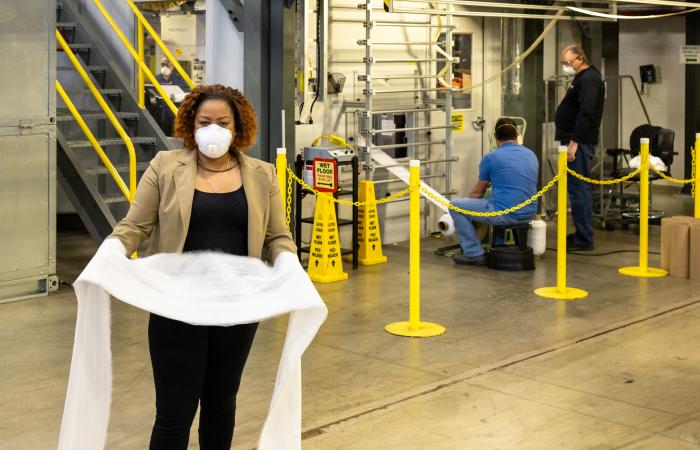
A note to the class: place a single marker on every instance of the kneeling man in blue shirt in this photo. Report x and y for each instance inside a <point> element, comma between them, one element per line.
<point>511,170</point>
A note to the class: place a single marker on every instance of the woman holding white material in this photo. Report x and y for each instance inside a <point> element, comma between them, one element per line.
<point>207,196</point>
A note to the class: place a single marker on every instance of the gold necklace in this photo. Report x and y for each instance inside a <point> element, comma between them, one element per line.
<point>218,187</point>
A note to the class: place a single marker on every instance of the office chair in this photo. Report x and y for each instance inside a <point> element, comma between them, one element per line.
<point>661,141</point>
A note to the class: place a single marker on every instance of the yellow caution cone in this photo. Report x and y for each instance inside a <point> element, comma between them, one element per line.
<point>370,251</point>
<point>325,262</point>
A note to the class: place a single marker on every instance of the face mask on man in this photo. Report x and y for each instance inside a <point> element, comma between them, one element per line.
<point>213,140</point>
<point>568,70</point>
<point>166,71</point>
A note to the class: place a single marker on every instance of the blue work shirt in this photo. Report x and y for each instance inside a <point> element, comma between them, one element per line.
<point>512,171</point>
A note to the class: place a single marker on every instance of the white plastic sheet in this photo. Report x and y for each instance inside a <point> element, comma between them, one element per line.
<point>200,289</point>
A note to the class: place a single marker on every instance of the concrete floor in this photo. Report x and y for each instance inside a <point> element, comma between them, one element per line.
<point>620,369</point>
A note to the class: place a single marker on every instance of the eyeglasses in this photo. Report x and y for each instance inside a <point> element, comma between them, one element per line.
<point>568,63</point>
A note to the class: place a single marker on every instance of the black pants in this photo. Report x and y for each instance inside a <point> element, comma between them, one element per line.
<point>191,365</point>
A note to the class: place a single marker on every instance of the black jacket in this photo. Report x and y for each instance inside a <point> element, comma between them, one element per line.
<point>579,114</point>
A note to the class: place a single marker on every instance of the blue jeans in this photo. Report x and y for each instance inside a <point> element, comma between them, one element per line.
<point>581,195</point>
<point>468,240</point>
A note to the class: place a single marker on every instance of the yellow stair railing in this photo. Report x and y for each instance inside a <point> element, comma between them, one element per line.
<point>143,68</point>
<point>142,23</point>
<point>131,190</point>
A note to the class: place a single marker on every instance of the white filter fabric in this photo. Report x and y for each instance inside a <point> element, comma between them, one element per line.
<point>654,161</point>
<point>201,289</point>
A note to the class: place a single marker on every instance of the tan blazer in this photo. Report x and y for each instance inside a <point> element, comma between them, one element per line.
<point>163,203</point>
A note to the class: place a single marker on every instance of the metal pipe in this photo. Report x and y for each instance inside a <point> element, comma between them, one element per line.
<point>449,47</point>
<point>495,5</point>
<point>404,77</point>
<point>401,130</point>
<point>437,12</point>
<point>397,111</point>
<point>402,43</point>
<point>368,88</point>
<point>406,60</point>
<point>407,144</point>
<point>433,161</point>
<point>385,23</point>
<point>407,91</point>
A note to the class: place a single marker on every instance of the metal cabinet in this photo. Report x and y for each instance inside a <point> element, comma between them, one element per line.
<point>27,149</point>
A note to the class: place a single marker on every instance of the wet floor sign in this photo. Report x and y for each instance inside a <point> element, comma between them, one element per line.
<point>370,251</point>
<point>325,262</point>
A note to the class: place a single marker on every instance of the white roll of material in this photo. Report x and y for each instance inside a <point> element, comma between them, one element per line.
<point>446,225</point>
<point>537,236</point>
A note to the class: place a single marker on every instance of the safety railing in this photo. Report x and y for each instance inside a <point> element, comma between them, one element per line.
<point>131,190</point>
<point>142,23</point>
<point>138,57</point>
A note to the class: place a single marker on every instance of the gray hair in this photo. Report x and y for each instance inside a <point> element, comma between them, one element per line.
<point>577,51</point>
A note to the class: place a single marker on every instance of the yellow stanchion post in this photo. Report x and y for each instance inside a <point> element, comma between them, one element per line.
<point>697,176</point>
<point>414,327</point>
<point>643,270</point>
<point>561,291</point>
<point>281,165</point>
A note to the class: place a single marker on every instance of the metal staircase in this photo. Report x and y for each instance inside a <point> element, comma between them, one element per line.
<point>82,174</point>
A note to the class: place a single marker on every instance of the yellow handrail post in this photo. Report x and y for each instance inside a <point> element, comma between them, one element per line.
<point>643,270</point>
<point>108,112</point>
<point>697,176</point>
<point>281,165</point>
<point>140,43</point>
<point>561,291</point>
<point>160,43</point>
<point>414,327</point>
<point>135,56</point>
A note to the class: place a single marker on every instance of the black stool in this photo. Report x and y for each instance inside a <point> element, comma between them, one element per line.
<point>516,257</point>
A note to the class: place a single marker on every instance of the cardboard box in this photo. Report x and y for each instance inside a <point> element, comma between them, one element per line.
<point>666,242</point>
<point>694,266</point>
<point>680,249</point>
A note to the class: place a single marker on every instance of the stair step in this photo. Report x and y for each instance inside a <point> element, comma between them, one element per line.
<point>111,142</point>
<point>66,25</point>
<point>65,116</point>
<point>117,198</point>
<point>102,91</point>
<point>89,68</point>
<point>80,46</point>
<point>121,168</point>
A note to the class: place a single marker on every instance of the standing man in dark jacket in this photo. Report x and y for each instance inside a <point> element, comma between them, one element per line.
<point>577,123</point>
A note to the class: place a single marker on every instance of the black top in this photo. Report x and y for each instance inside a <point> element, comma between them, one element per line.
<point>579,114</point>
<point>219,222</point>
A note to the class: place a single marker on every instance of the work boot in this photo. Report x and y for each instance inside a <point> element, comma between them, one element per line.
<point>470,260</point>
<point>576,247</point>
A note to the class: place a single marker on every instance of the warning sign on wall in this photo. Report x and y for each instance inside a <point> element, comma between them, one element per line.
<point>458,122</point>
<point>325,174</point>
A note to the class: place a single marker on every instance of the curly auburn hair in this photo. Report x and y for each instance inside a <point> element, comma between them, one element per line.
<point>244,118</point>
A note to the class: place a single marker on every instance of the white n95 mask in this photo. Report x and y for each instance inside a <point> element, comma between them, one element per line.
<point>568,70</point>
<point>213,140</point>
<point>166,71</point>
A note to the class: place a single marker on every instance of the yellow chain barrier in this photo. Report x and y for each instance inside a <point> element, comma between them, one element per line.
<point>427,193</point>
<point>671,179</point>
<point>604,182</point>
<point>527,202</point>
<point>680,180</point>
<point>302,183</point>
<point>289,202</point>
